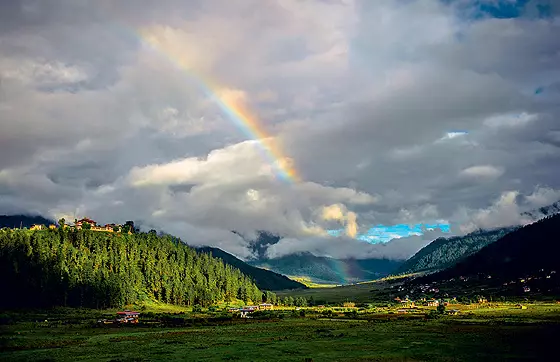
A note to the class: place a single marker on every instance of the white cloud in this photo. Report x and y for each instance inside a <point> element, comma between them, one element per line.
<point>482,171</point>
<point>361,102</point>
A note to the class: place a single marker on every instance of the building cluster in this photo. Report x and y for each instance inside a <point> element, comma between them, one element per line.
<point>84,223</point>
<point>245,311</point>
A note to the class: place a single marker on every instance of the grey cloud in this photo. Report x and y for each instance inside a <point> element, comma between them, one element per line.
<point>361,97</point>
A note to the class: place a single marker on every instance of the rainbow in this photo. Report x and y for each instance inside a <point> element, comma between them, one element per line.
<point>236,111</point>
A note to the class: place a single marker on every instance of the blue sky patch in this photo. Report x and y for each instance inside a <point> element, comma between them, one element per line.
<point>385,233</point>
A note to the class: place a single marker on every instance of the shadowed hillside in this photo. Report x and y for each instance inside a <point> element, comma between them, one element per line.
<point>526,251</point>
<point>265,279</point>
<point>445,252</point>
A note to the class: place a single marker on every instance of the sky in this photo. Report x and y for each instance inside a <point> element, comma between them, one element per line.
<point>351,128</point>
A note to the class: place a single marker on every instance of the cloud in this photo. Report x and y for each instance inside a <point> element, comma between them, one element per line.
<point>482,171</point>
<point>507,210</point>
<point>409,112</point>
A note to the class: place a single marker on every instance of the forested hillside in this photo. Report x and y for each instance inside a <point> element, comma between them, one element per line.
<point>97,269</point>
<point>265,279</point>
<point>445,252</point>
<point>528,250</point>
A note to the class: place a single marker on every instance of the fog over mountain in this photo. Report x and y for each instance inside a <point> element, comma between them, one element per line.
<point>328,123</point>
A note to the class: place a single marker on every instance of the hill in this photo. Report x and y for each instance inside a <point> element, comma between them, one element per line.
<point>527,251</point>
<point>264,279</point>
<point>83,268</point>
<point>26,221</point>
<point>445,252</point>
<point>329,270</point>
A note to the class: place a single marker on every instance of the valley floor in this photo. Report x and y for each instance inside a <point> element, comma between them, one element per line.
<point>494,333</point>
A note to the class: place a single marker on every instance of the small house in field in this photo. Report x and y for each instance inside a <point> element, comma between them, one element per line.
<point>245,312</point>
<point>432,303</point>
<point>37,227</point>
<point>266,306</point>
<point>520,306</point>
<point>407,304</point>
<point>127,316</point>
<point>453,312</point>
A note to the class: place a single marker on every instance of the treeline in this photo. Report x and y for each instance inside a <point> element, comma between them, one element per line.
<point>82,268</point>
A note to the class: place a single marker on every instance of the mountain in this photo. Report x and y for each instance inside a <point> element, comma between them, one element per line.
<point>264,279</point>
<point>26,221</point>
<point>526,251</point>
<point>543,211</point>
<point>329,270</point>
<point>445,252</point>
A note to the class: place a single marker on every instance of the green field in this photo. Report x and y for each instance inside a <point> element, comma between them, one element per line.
<point>492,332</point>
<point>360,293</point>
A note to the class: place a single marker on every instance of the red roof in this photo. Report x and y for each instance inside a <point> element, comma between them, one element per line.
<point>128,313</point>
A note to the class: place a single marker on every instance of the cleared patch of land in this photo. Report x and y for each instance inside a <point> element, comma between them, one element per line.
<point>482,333</point>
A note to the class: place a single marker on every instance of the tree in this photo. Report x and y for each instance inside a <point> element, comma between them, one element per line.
<point>62,222</point>
<point>441,308</point>
<point>86,226</point>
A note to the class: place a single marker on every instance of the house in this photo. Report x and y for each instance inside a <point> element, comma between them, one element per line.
<point>127,316</point>
<point>453,312</point>
<point>53,226</point>
<point>245,312</point>
<point>232,310</point>
<point>266,306</point>
<point>79,223</point>
<point>407,303</point>
<point>251,307</point>
<point>37,227</point>
<point>432,303</point>
<point>520,306</point>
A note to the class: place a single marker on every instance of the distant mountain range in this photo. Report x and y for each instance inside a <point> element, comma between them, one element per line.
<point>319,269</point>
<point>264,279</point>
<point>445,252</point>
<point>327,270</point>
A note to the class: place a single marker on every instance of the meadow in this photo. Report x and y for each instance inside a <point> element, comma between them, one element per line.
<point>495,331</point>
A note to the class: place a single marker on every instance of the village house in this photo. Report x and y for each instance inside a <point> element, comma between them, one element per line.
<point>79,223</point>
<point>407,303</point>
<point>432,303</point>
<point>127,316</point>
<point>37,227</point>
<point>246,311</point>
<point>266,306</point>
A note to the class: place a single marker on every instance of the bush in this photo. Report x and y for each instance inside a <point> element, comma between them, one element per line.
<point>441,309</point>
<point>197,309</point>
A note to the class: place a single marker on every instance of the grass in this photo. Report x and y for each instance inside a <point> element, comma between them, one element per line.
<point>491,333</point>
<point>360,293</point>
<point>311,284</point>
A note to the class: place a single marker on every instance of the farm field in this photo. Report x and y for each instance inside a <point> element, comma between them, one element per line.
<point>479,333</point>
